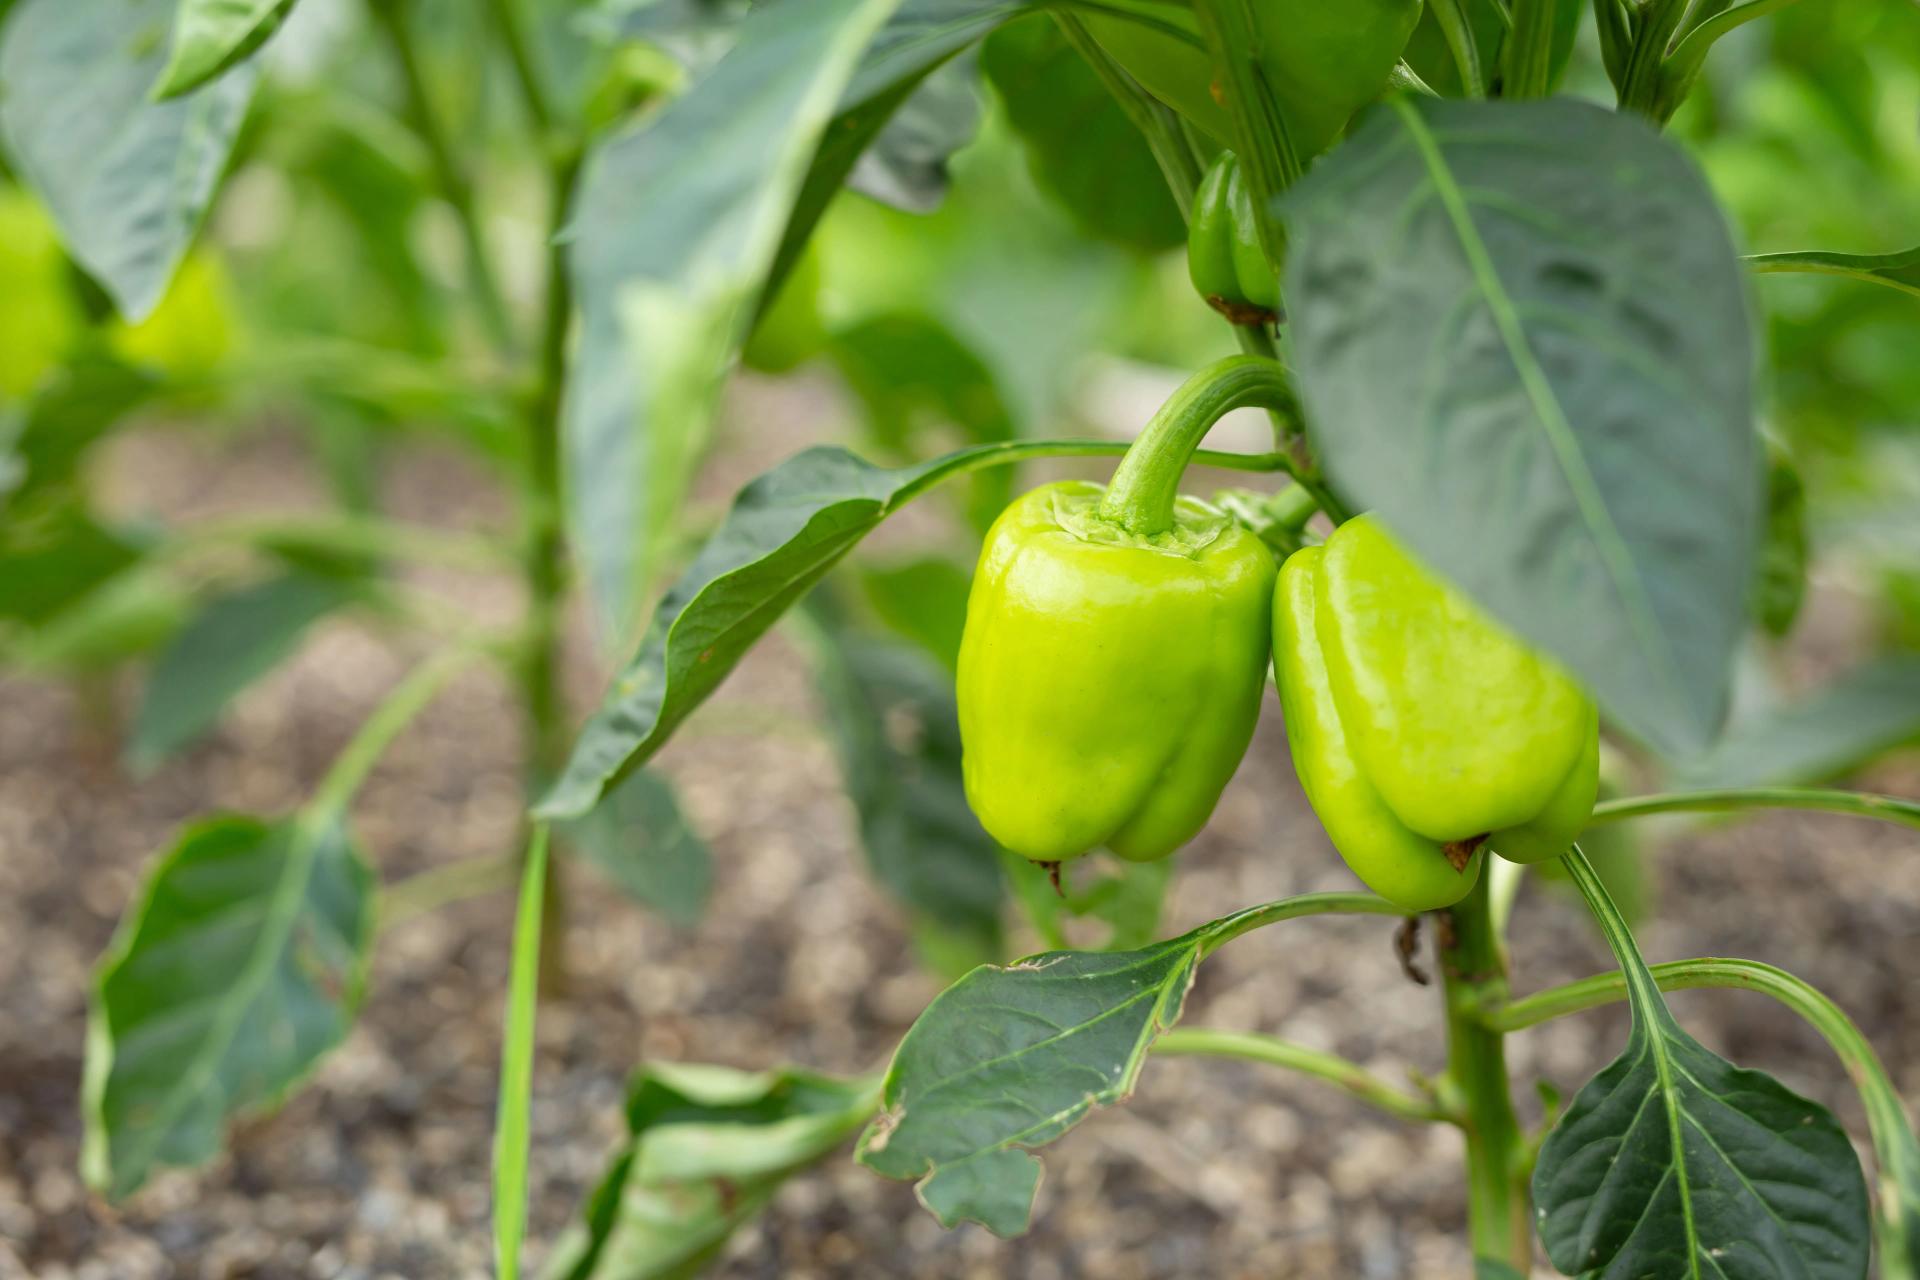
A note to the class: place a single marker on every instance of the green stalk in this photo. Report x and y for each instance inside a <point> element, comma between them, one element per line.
<point>1140,499</point>
<point>1529,50</point>
<point>1474,975</point>
<point>448,174</point>
<point>1857,804</point>
<point>1350,1077</point>
<point>1643,84</point>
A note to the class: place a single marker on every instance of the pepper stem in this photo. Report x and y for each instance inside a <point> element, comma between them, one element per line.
<point>1140,499</point>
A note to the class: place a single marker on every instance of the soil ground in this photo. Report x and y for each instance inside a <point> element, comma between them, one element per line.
<point>1214,1169</point>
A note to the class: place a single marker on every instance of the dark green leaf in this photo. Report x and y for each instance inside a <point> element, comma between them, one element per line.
<point>128,615</point>
<point>1008,1059</point>
<point>924,600</point>
<point>906,163</point>
<point>917,38</point>
<point>233,641</point>
<point>914,376</point>
<point>127,179</point>
<point>706,1149</point>
<point>786,529</point>
<point>1674,1162</point>
<point>89,399</point>
<point>897,731</point>
<point>639,837</point>
<point>678,224</point>
<point>52,554</point>
<point>1895,270</point>
<point>1081,148</point>
<point>1781,582</point>
<point>239,967</point>
<point>1522,335</point>
<point>210,36</point>
<point>1869,710</point>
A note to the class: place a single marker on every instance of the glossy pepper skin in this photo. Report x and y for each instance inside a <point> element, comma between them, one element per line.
<point>1421,729</point>
<point>1224,258</point>
<point>1324,61</point>
<point>1109,683</point>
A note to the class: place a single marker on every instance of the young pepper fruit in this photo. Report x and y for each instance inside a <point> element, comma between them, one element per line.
<point>1422,731</point>
<point>1116,648</point>
<point>1225,260</point>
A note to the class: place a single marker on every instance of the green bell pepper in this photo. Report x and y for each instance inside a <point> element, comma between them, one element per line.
<point>1108,683</point>
<point>1422,731</point>
<point>1225,259</point>
<point>1116,646</point>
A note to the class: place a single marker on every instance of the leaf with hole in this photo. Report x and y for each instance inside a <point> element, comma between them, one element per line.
<point>1523,337</point>
<point>1008,1059</point>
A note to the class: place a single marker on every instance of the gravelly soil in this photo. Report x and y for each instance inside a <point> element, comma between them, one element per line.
<point>1214,1169</point>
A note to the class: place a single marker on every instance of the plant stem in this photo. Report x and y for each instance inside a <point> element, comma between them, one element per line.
<point>1458,33</point>
<point>1858,804</point>
<point>451,178</point>
<point>545,565</point>
<point>1350,1077</point>
<point>435,887</point>
<point>1474,974</point>
<point>533,90</point>
<point>1643,83</point>
<point>1528,54</point>
<point>1145,484</point>
<point>377,732</point>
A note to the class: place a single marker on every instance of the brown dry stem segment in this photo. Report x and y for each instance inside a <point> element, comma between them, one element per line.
<point>1053,874</point>
<point>1406,945</point>
<point>1460,852</point>
<point>1247,313</point>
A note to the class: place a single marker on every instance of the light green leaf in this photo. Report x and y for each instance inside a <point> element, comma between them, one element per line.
<point>210,36</point>
<point>1523,336</point>
<point>126,179</point>
<point>1895,270</point>
<point>640,839</point>
<point>677,227</point>
<point>706,1149</point>
<point>233,641</point>
<point>239,968</point>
